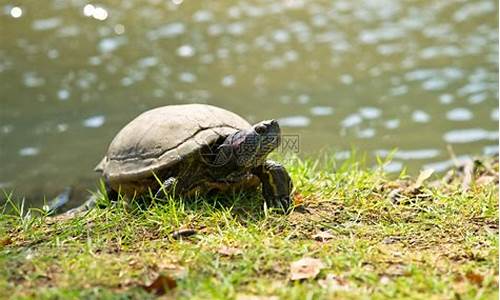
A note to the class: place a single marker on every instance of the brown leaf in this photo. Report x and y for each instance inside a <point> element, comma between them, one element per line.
<point>460,285</point>
<point>475,278</point>
<point>391,185</point>
<point>298,199</point>
<point>323,236</point>
<point>229,251</point>
<point>161,285</point>
<point>334,283</point>
<point>305,268</point>
<point>6,241</point>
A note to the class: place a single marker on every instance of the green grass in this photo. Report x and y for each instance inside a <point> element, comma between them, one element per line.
<point>435,243</point>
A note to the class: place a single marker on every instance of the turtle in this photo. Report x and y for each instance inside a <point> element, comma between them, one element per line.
<point>190,149</point>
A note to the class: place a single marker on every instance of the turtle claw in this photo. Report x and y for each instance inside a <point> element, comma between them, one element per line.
<point>277,185</point>
<point>166,188</point>
<point>52,206</point>
<point>281,204</point>
<point>86,206</point>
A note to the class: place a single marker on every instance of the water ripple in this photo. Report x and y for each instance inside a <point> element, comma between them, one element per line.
<point>186,51</point>
<point>46,24</point>
<point>94,121</point>
<point>321,110</point>
<point>294,121</point>
<point>459,114</point>
<point>409,154</point>
<point>170,30</point>
<point>108,45</point>
<point>29,151</point>
<point>469,135</point>
<point>420,116</point>
<point>351,120</point>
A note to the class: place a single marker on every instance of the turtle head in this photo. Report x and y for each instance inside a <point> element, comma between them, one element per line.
<point>250,147</point>
<point>268,136</point>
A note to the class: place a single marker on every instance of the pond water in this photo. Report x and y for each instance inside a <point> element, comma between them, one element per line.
<point>370,75</point>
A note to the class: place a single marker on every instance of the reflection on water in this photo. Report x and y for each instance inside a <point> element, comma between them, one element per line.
<point>373,75</point>
<point>469,135</point>
<point>321,110</point>
<point>459,114</point>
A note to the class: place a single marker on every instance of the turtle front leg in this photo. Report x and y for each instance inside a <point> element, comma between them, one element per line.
<point>169,186</point>
<point>276,184</point>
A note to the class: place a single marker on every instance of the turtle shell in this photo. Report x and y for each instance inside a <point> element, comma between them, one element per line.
<point>162,137</point>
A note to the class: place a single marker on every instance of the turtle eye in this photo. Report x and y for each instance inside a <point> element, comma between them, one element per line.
<point>260,129</point>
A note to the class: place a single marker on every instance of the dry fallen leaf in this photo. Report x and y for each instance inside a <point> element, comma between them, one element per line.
<point>323,236</point>
<point>6,241</point>
<point>334,283</point>
<point>229,251</point>
<point>391,185</point>
<point>368,267</point>
<point>132,262</point>
<point>305,268</point>
<point>161,285</point>
<point>485,180</point>
<point>423,176</point>
<point>298,199</point>
<point>468,171</point>
<point>475,278</point>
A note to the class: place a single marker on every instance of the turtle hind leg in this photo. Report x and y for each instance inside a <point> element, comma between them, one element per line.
<point>53,205</point>
<point>110,193</point>
<point>276,184</point>
<point>86,206</point>
<point>93,200</point>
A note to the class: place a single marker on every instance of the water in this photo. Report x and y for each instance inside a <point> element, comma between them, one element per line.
<point>370,75</point>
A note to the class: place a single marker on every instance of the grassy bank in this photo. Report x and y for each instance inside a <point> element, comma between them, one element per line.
<point>368,236</point>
